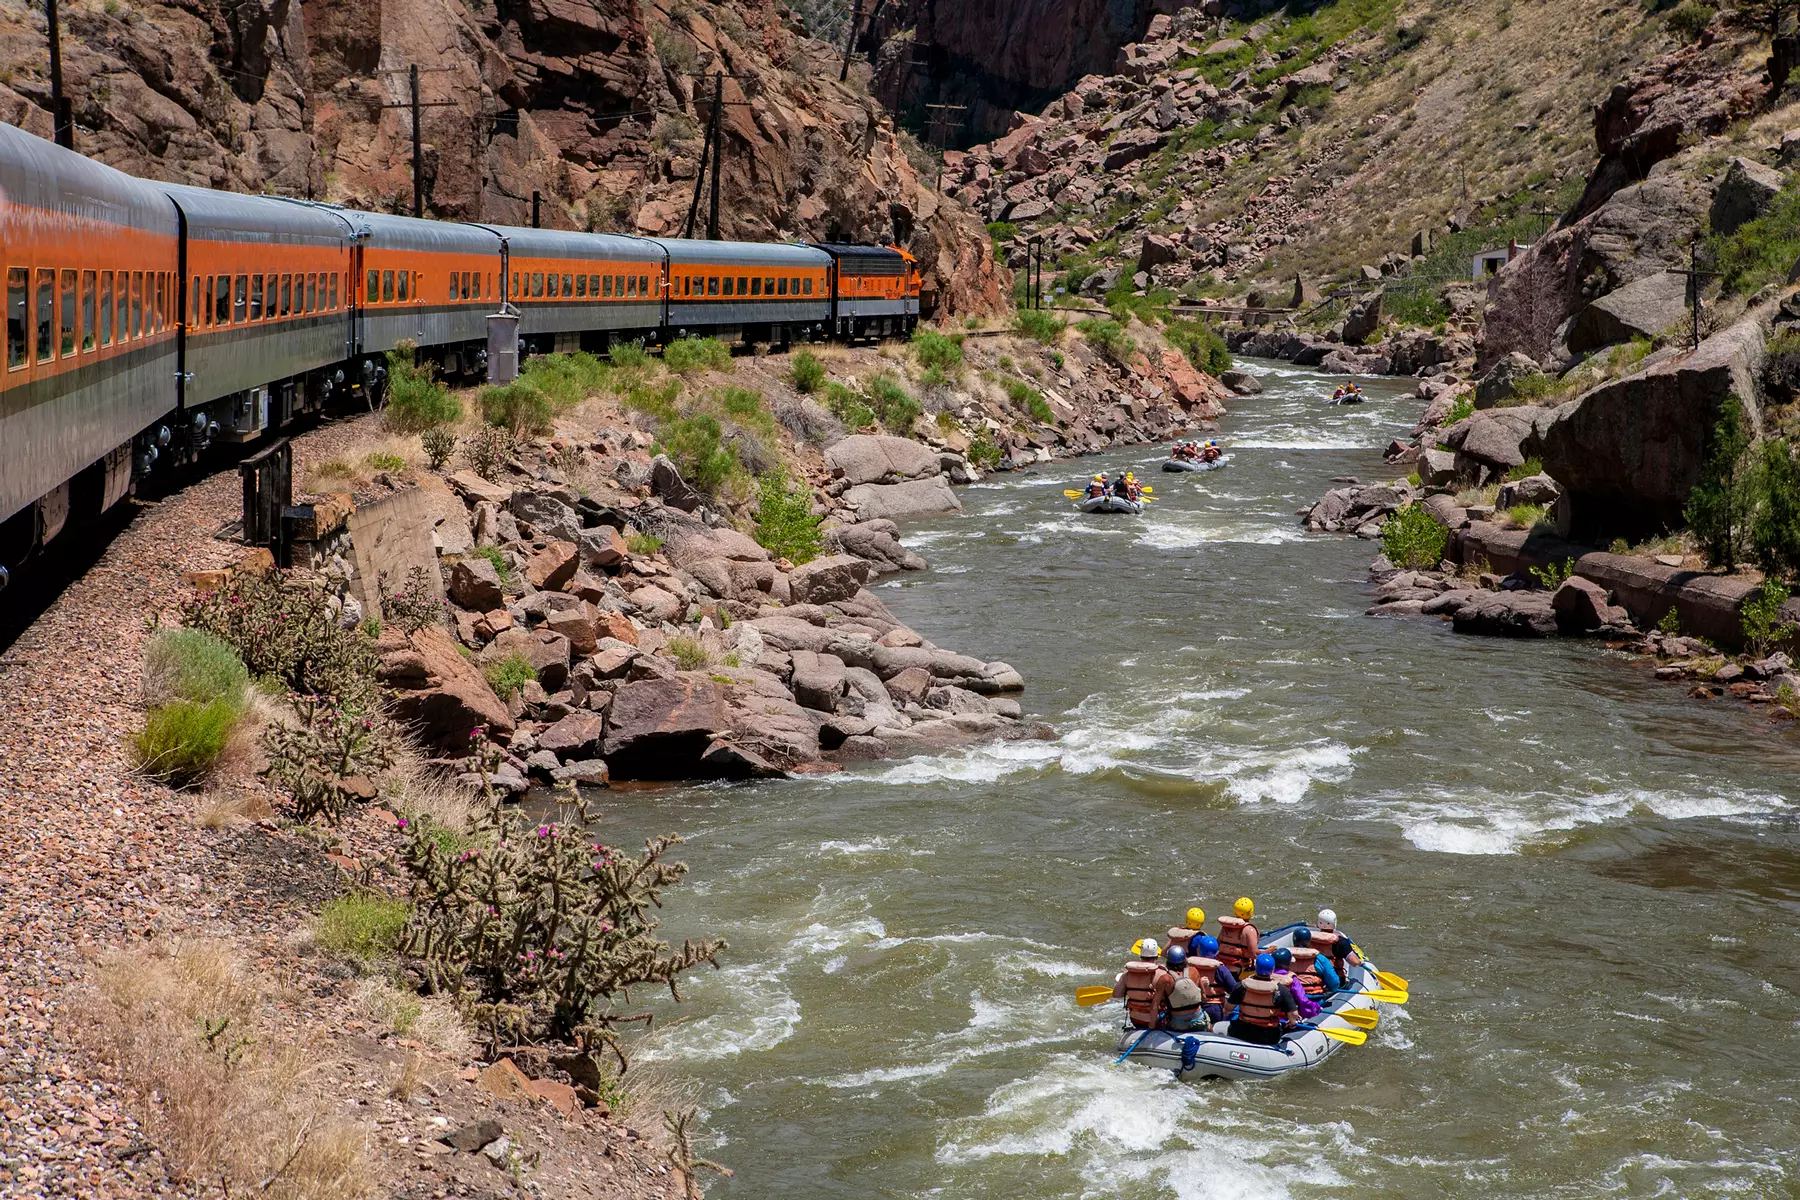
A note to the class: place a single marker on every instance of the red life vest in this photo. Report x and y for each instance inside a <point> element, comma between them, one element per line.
<point>1204,971</point>
<point>1306,972</point>
<point>1258,1005</point>
<point>1143,995</point>
<point>1238,943</point>
<point>1323,940</point>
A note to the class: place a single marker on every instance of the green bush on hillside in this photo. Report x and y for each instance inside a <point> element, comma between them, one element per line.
<point>936,352</point>
<point>566,379</point>
<point>891,403</point>
<point>192,664</point>
<point>361,925</point>
<point>518,407</point>
<point>1202,345</point>
<point>848,407</point>
<point>1031,400</point>
<point>1763,250</point>
<point>1413,539</point>
<point>785,524</point>
<point>1689,20</point>
<point>1718,507</point>
<point>1110,337</point>
<point>1040,324</point>
<point>629,356</point>
<point>1775,519</point>
<point>807,373</point>
<point>181,741</point>
<point>696,446</point>
<point>690,354</point>
<point>416,401</point>
<point>510,674</point>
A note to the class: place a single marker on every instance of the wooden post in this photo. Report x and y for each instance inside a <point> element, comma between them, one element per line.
<point>62,111</point>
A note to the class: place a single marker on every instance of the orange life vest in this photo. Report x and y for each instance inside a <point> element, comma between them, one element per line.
<point>1204,971</point>
<point>1238,943</point>
<point>1306,972</point>
<point>1143,998</point>
<point>1181,935</point>
<point>1323,940</point>
<point>1258,1005</point>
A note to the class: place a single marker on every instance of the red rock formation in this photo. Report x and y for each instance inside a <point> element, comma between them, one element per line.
<point>598,105</point>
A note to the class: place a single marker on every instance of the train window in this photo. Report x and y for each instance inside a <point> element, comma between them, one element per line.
<point>18,282</point>
<point>581,285</point>
<point>728,284</point>
<point>609,286</point>
<point>195,305</point>
<point>783,285</point>
<point>46,314</point>
<point>537,284</point>
<point>756,287</point>
<point>256,297</point>
<point>630,286</point>
<point>568,285</point>
<point>402,289</point>
<point>334,292</point>
<point>206,304</point>
<point>239,299</point>
<point>137,304</point>
<point>221,298</point>
<point>551,289</point>
<point>106,307</point>
<point>287,296</point>
<point>712,285</point>
<point>593,285</point>
<point>374,287</point>
<point>312,293</point>
<point>387,286</point>
<point>87,310</point>
<point>454,293</point>
<point>809,284</point>
<point>69,309</point>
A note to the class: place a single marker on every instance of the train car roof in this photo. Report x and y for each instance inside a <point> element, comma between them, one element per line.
<point>390,230</point>
<point>846,250</point>
<point>742,254</point>
<point>38,174</point>
<point>568,243</point>
<point>232,216</point>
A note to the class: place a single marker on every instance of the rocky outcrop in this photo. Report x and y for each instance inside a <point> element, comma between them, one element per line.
<point>1629,451</point>
<point>1743,195</point>
<point>1492,442</point>
<point>902,501</point>
<point>1706,605</point>
<point>1502,379</point>
<point>880,458</point>
<point>437,692</point>
<point>1357,508</point>
<point>1643,308</point>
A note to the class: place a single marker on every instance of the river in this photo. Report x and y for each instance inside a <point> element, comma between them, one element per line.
<point>1591,882</point>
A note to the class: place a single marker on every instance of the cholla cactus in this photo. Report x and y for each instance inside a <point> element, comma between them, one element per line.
<point>314,760</point>
<point>538,927</point>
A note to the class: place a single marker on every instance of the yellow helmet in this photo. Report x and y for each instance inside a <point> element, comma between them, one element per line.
<point>1196,917</point>
<point>1244,908</point>
<point>1129,475</point>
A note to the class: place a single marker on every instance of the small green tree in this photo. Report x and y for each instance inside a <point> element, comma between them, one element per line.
<point>1716,506</point>
<point>1775,525</point>
<point>1413,538</point>
<point>1760,617</point>
<point>785,523</point>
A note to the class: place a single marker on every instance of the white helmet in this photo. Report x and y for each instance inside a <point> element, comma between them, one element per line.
<point>1327,919</point>
<point>1148,948</point>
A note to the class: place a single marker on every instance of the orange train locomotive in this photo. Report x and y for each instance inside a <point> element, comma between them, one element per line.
<point>144,321</point>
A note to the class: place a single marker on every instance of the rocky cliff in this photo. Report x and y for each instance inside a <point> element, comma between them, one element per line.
<point>599,107</point>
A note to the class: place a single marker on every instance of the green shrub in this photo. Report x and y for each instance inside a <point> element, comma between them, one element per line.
<point>688,653</point>
<point>1525,470</point>
<point>361,925</point>
<point>984,452</point>
<point>284,627</point>
<point>566,379</point>
<point>1553,575</point>
<point>416,401</point>
<point>496,558</point>
<point>746,407</point>
<point>891,403</point>
<point>1413,539</point>
<point>192,664</point>
<point>383,460</point>
<point>518,407</point>
<point>313,760</point>
<point>181,741</point>
<point>1760,615</point>
<point>848,407</point>
<point>1110,337</point>
<point>938,352</point>
<point>697,448</point>
<point>1202,345</point>
<point>1688,20</point>
<point>439,444</point>
<point>807,372</point>
<point>1716,508</point>
<point>689,354</point>
<point>785,524</point>
<point>1534,388</point>
<point>510,674</point>
<point>1002,231</point>
<point>656,403</point>
<point>1775,522</point>
<point>1031,400</point>
<point>1670,623</point>
<point>1041,325</point>
<point>645,544</point>
<point>1461,410</point>
<point>1526,514</point>
<point>1763,250</point>
<point>629,356</point>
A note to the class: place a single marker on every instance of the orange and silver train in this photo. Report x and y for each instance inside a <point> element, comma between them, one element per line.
<point>145,321</point>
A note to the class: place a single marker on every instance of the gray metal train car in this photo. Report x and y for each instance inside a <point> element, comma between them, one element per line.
<point>750,291</point>
<point>583,290</point>
<point>431,283</point>
<point>875,291</point>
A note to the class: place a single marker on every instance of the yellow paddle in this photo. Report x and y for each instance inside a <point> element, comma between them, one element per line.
<point>1386,996</point>
<point>1362,1018</point>
<point>1354,1037</point>
<point>1390,981</point>
<point>1072,494</point>
<point>1087,997</point>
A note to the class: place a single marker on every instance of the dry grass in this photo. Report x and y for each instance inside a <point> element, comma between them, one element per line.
<point>230,805</point>
<point>430,1020</point>
<point>220,1092</point>
<point>417,790</point>
<point>357,468</point>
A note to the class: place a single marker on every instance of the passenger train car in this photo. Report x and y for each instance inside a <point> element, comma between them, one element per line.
<point>146,321</point>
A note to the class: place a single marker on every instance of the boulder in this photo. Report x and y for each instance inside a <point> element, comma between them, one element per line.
<point>548,654</point>
<point>577,624</point>
<point>902,501</point>
<point>475,585</point>
<point>1642,308</point>
<point>1629,451</point>
<point>690,542</point>
<point>880,458</point>
<point>1533,489</point>
<point>791,633</point>
<point>1363,319</point>
<point>876,543</point>
<point>658,605</point>
<point>1582,606</point>
<point>1241,383</point>
<point>1502,379</point>
<point>602,547</point>
<point>616,625</point>
<point>1156,251</point>
<point>1494,441</point>
<point>1348,507</point>
<point>666,482</point>
<point>1437,468</point>
<point>474,488</point>
<point>818,680</point>
<point>548,516</point>
<point>553,566</point>
<point>1743,195</point>
<point>1707,605</point>
<point>825,580</point>
<point>660,728</point>
<point>438,693</point>
<point>1507,614</point>
<point>586,772</point>
<point>576,736</point>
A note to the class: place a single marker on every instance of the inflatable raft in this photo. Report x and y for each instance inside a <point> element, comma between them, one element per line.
<point>1216,1055</point>
<point>1109,503</point>
<point>1193,464</point>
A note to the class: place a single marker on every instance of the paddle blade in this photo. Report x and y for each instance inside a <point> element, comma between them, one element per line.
<point>1072,494</point>
<point>1362,1018</point>
<point>1087,997</point>
<point>1391,981</point>
<point>1355,1037</point>
<point>1386,996</point>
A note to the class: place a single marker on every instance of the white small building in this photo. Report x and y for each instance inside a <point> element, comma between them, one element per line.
<point>1487,264</point>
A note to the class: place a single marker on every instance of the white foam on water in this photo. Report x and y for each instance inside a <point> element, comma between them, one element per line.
<point>1170,536</point>
<point>1500,823</point>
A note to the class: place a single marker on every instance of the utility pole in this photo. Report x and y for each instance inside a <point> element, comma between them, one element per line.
<point>1694,277</point>
<point>62,109</point>
<point>936,133</point>
<point>718,158</point>
<point>413,105</point>
<point>537,203</point>
<point>849,42</point>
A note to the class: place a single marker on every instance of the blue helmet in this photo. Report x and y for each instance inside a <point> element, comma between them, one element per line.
<point>1207,944</point>
<point>1283,957</point>
<point>1303,936</point>
<point>1265,964</point>
<point>1176,958</point>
